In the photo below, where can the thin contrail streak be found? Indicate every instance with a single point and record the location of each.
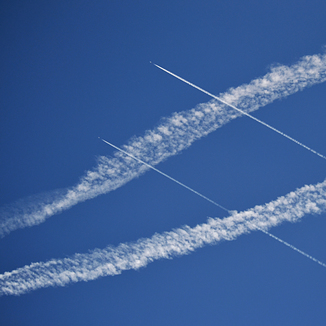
(172, 135)
(294, 248)
(310, 199)
(241, 111)
(167, 176)
(213, 202)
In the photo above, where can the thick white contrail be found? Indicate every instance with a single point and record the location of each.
(310, 199)
(241, 111)
(170, 137)
(167, 176)
(212, 201)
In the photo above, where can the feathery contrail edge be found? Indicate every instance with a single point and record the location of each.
(174, 134)
(241, 111)
(213, 202)
(309, 199)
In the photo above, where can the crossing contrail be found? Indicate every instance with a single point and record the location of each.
(241, 111)
(214, 203)
(167, 176)
(310, 199)
(172, 135)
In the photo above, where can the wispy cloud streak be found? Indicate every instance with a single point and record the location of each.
(212, 201)
(242, 112)
(310, 199)
(170, 137)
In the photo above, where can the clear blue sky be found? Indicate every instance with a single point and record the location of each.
(75, 70)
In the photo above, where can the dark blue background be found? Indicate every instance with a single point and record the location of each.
(75, 70)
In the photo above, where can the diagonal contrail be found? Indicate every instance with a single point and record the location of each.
(171, 136)
(294, 248)
(167, 176)
(241, 111)
(213, 202)
(310, 199)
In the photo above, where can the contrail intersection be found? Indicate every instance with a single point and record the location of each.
(173, 135)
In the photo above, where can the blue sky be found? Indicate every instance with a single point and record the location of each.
(74, 71)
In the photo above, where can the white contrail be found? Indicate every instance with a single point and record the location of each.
(170, 137)
(167, 176)
(294, 248)
(212, 201)
(310, 199)
(241, 111)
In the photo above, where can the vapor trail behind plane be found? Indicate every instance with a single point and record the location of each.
(173, 135)
(213, 202)
(167, 176)
(310, 199)
(241, 111)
